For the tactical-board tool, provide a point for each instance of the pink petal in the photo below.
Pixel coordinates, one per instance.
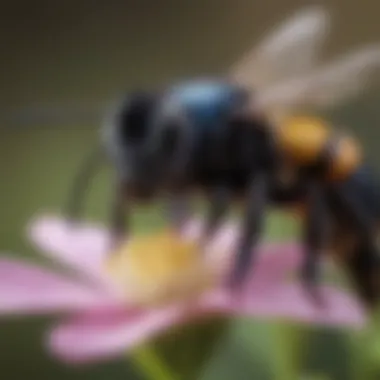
(81, 247)
(225, 238)
(98, 336)
(27, 289)
(273, 262)
(284, 302)
(84, 246)
(291, 302)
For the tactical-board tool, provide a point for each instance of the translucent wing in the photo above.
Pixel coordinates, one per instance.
(289, 50)
(327, 87)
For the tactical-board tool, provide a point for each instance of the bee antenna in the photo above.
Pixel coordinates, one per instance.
(73, 208)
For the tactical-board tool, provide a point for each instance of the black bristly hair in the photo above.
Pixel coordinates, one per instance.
(171, 140)
(134, 117)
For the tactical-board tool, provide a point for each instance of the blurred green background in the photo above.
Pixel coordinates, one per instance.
(84, 52)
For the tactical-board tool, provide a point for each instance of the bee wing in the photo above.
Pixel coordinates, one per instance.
(289, 50)
(327, 87)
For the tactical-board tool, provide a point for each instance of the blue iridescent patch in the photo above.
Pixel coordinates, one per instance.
(206, 101)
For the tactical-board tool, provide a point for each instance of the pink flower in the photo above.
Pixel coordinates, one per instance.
(103, 321)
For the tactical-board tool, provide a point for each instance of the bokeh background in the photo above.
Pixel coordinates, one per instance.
(60, 60)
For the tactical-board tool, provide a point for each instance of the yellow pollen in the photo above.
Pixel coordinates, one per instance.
(160, 268)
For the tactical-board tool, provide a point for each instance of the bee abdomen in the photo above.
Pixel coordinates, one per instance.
(303, 139)
(307, 141)
(346, 158)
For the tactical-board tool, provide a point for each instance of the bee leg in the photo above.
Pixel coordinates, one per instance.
(179, 211)
(364, 264)
(118, 217)
(315, 235)
(219, 202)
(80, 184)
(251, 230)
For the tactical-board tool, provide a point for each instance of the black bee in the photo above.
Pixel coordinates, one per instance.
(236, 138)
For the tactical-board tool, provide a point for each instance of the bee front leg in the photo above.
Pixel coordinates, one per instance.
(219, 201)
(251, 230)
(315, 239)
(80, 186)
(178, 211)
(119, 216)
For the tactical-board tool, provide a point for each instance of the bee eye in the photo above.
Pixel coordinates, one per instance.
(134, 119)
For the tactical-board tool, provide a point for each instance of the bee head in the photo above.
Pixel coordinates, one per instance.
(145, 141)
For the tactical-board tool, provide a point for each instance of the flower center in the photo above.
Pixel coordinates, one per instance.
(161, 268)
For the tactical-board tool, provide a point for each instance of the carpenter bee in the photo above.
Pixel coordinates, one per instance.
(240, 136)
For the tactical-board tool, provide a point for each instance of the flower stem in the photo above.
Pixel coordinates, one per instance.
(149, 362)
(286, 351)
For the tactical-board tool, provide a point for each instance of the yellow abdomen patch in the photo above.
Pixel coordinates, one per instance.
(302, 139)
(347, 158)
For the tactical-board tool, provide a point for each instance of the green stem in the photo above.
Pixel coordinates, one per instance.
(358, 367)
(363, 351)
(286, 351)
(151, 364)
